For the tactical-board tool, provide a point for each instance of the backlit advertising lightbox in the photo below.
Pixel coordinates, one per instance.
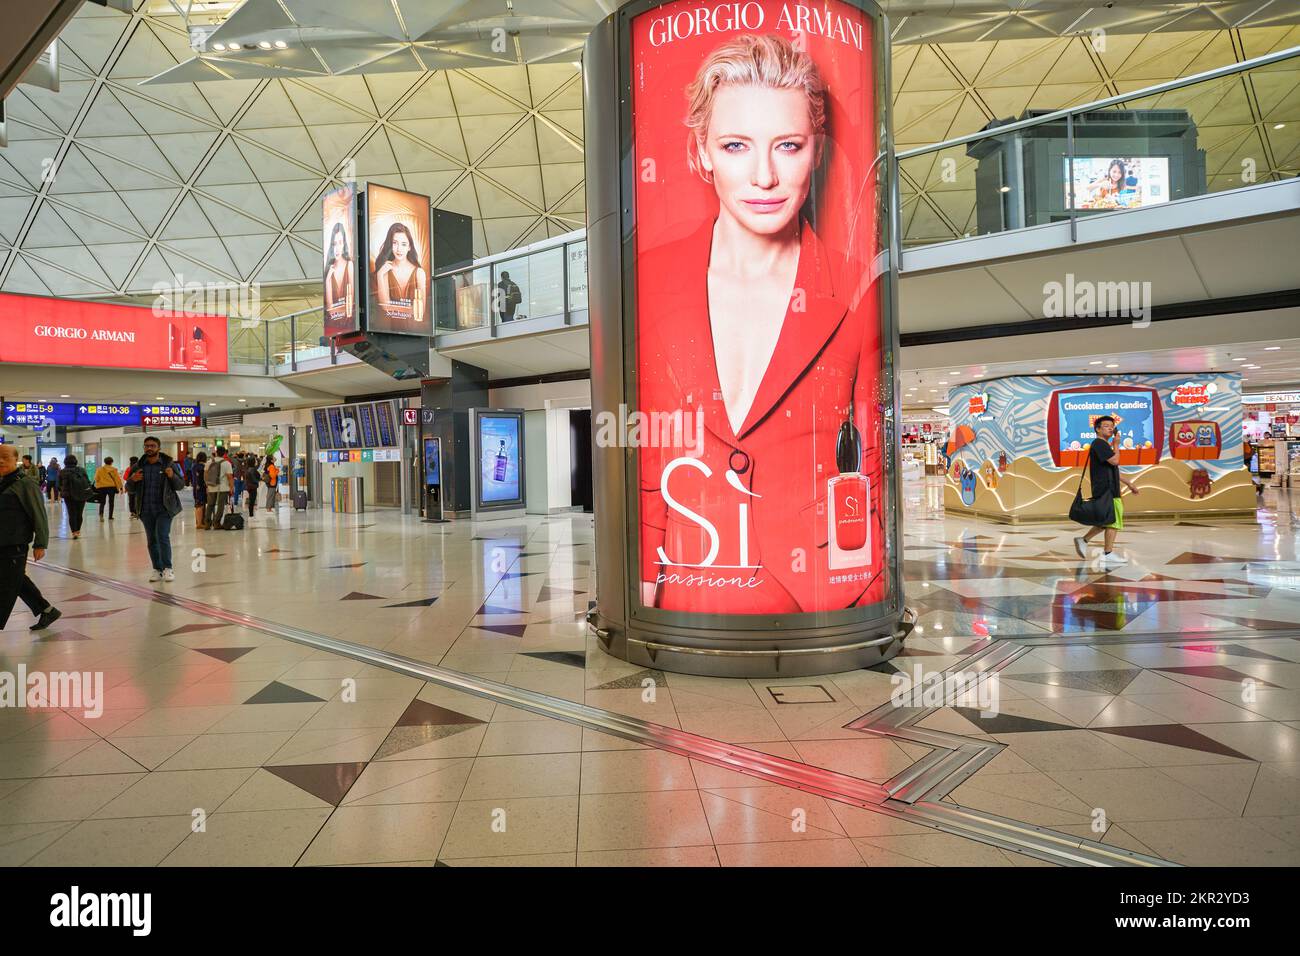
(1072, 416)
(399, 261)
(339, 215)
(46, 331)
(500, 453)
(758, 324)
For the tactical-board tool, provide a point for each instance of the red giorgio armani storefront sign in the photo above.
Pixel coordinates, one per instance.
(46, 331)
(758, 319)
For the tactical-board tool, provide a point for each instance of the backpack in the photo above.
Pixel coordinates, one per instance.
(79, 487)
(212, 472)
(251, 477)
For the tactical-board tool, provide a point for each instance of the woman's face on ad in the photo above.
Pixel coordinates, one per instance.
(401, 246)
(338, 244)
(761, 149)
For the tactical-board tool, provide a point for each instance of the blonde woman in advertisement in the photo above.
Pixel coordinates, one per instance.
(745, 318)
(400, 279)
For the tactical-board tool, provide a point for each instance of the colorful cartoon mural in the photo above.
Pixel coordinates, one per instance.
(1020, 458)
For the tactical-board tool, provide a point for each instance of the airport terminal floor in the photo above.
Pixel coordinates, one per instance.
(332, 689)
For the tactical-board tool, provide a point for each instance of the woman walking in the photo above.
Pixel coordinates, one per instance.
(251, 479)
(272, 479)
(132, 495)
(75, 487)
(199, 486)
(108, 482)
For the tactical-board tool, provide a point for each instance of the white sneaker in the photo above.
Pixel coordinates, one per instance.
(168, 576)
(1081, 546)
(1113, 560)
(155, 575)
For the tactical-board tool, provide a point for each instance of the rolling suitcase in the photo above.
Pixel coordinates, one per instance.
(300, 501)
(232, 522)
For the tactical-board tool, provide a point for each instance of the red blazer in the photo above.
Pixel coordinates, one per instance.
(827, 355)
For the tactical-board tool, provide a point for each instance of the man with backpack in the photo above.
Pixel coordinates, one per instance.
(77, 491)
(159, 479)
(218, 476)
(23, 522)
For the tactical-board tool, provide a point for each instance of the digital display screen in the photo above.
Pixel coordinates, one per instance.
(498, 444)
(399, 261)
(744, 162)
(323, 439)
(367, 425)
(387, 429)
(1118, 183)
(339, 216)
(336, 427)
(432, 461)
(1138, 424)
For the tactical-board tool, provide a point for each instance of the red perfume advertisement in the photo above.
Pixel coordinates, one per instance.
(46, 331)
(399, 261)
(339, 215)
(758, 333)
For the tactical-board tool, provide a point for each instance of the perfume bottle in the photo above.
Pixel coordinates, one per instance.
(499, 474)
(847, 491)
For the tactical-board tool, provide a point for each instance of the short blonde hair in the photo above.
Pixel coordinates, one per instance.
(748, 60)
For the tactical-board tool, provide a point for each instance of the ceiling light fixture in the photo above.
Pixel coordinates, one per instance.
(264, 44)
(1112, 366)
(1040, 371)
(219, 47)
(233, 47)
(1098, 362)
(281, 45)
(1279, 125)
(1272, 348)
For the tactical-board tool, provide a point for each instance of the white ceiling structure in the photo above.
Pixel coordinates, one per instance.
(161, 156)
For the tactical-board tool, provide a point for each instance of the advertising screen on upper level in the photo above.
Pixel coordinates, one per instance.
(48, 331)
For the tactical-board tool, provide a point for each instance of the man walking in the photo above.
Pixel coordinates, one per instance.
(158, 479)
(1104, 475)
(219, 478)
(23, 521)
(29, 469)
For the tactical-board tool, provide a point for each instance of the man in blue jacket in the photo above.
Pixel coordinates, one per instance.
(158, 479)
(23, 521)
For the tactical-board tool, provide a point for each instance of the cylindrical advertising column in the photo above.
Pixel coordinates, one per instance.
(743, 337)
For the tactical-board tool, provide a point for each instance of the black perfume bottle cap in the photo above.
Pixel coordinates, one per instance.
(848, 446)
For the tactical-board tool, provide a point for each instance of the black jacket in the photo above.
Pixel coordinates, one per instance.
(22, 512)
(171, 500)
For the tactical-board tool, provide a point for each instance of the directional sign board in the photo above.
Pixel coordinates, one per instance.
(97, 414)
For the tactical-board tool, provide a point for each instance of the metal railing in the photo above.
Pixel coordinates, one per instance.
(1051, 166)
(1215, 131)
(280, 342)
(545, 280)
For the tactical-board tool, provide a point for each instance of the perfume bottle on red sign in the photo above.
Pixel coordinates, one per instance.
(847, 491)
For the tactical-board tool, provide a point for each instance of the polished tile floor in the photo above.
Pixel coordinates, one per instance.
(1154, 708)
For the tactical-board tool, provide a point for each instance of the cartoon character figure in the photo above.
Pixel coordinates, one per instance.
(1075, 446)
(1128, 442)
(990, 474)
(1205, 435)
(967, 486)
(1184, 435)
(1200, 483)
(1002, 461)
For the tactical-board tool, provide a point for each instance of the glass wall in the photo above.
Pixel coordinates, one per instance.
(1226, 130)
(543, 284)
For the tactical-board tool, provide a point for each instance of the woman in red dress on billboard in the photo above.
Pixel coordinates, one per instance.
(742, 328)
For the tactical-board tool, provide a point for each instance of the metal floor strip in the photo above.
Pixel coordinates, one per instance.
(1034, 841)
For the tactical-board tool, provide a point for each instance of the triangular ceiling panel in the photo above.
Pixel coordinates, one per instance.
(21, 278)
(117, 259)
(282, 266)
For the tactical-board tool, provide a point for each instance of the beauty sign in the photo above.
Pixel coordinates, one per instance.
(1193, 393)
